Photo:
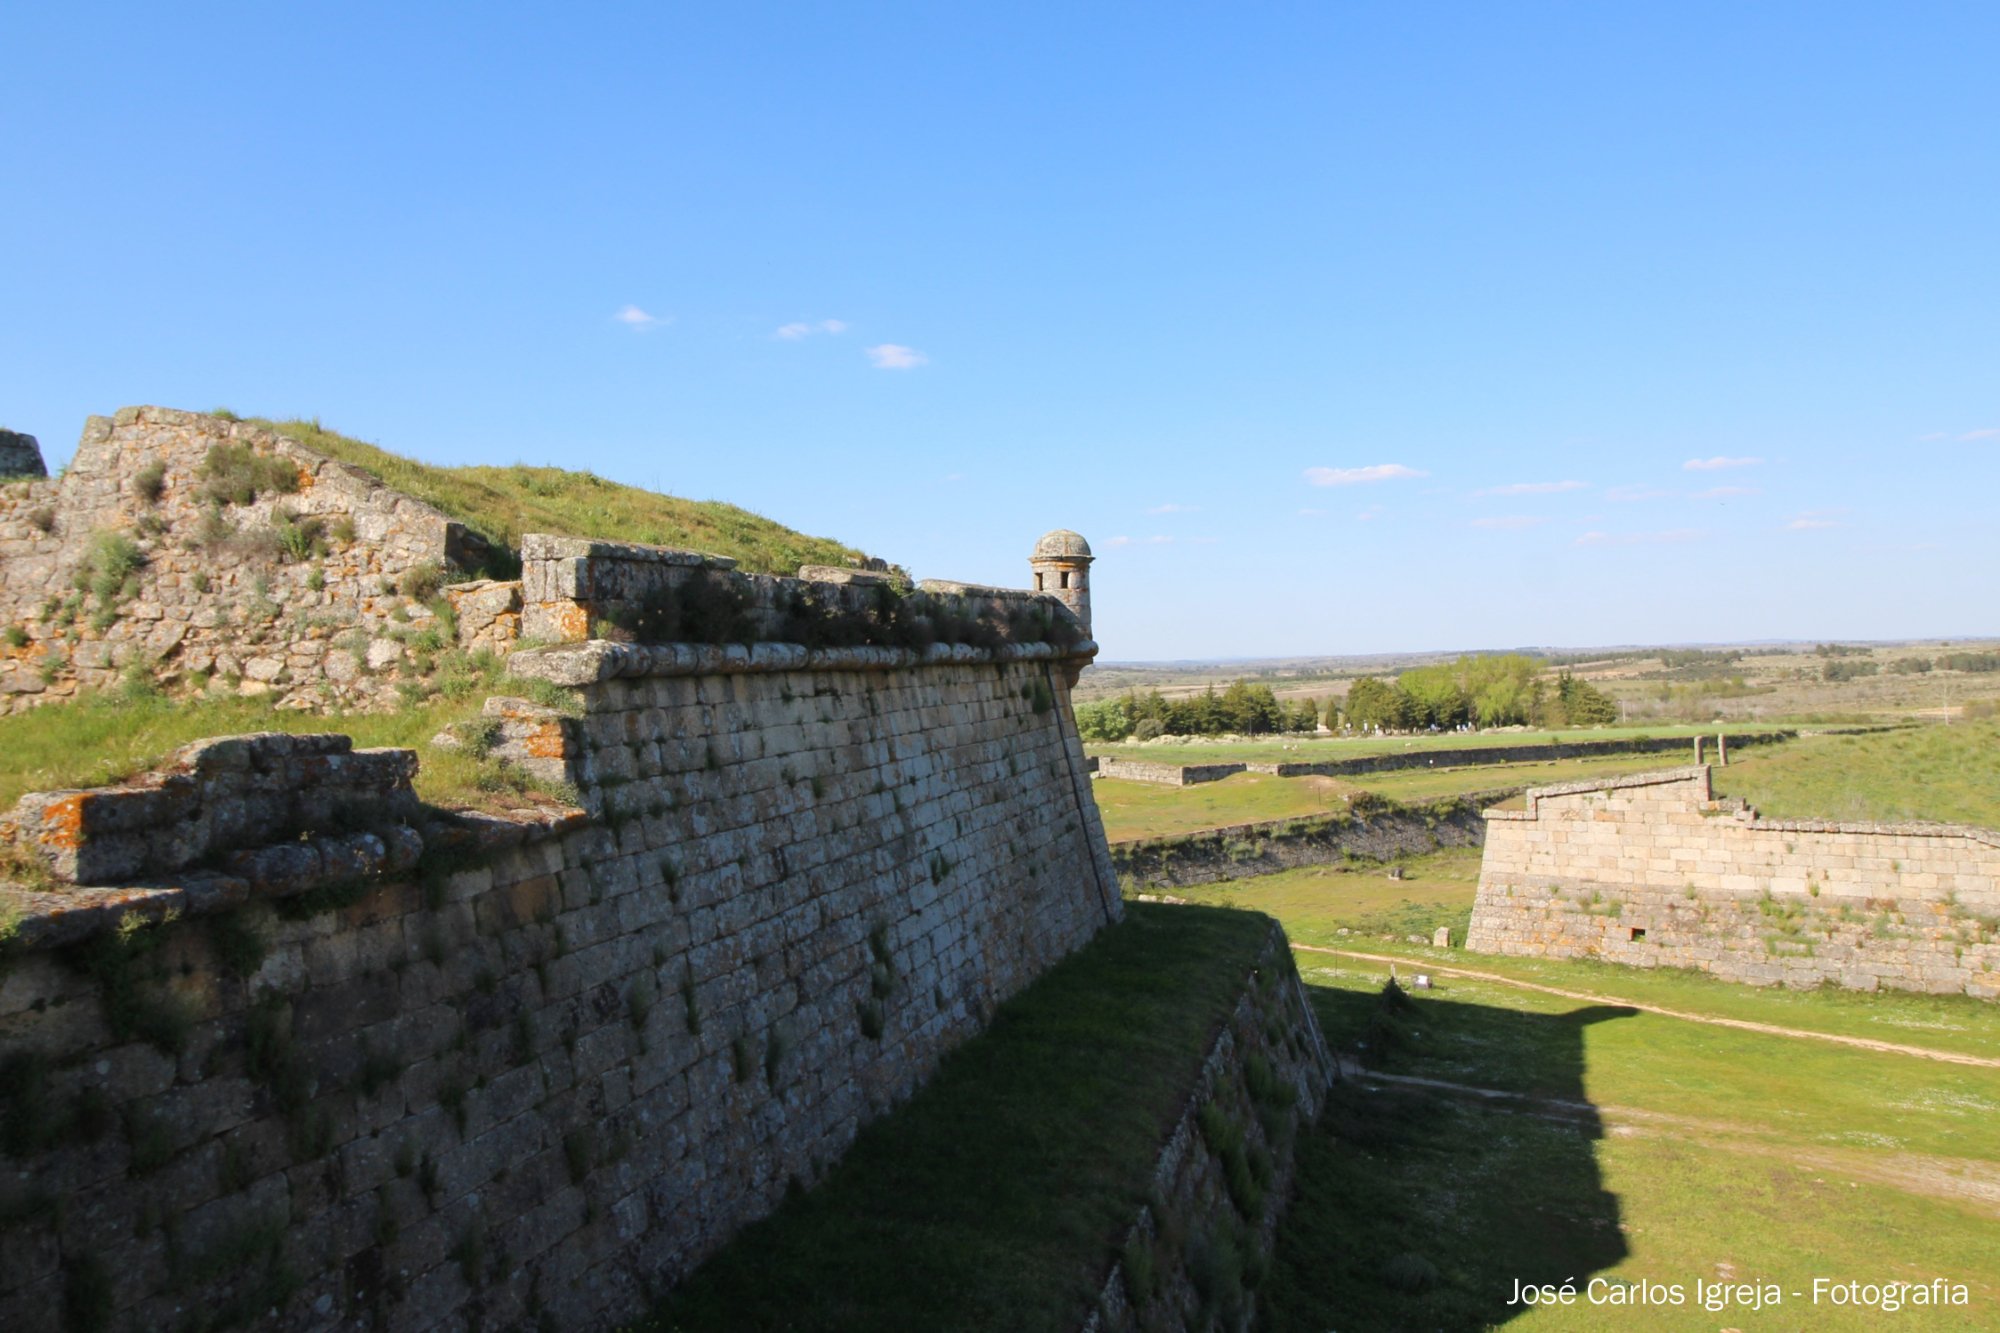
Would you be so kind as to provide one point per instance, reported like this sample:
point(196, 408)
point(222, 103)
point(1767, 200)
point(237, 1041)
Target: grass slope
point(105, 737)
point(503, 503)
point(1948, 773)
point(997, 1196)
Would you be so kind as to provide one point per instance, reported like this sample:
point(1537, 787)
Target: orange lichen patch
point(546, 741)
point(572, 621)
point(62, 822)
point(306, 479)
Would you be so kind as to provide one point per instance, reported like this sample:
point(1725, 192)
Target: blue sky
point(1336, 328)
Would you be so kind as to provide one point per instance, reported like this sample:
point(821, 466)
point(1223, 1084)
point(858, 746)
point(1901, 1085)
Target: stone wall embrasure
point(217, 593)
point(1266, 1076)
point(545, 1073)
point(1652, 871)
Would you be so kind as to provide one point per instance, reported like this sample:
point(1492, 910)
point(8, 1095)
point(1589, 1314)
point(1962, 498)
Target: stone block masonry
point(541, 1074)
point(298, 594)
point(1652, 871)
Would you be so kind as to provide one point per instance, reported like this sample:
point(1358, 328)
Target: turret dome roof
point(1061, 542)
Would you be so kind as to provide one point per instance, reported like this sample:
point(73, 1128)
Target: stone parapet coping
point(1743, 813)
point(546, 546)
point(69, 913)
point(601, 660)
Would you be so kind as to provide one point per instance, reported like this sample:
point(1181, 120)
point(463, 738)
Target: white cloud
point(1311, 513)
point(1140, 541)
point(1625, 493)
point(634, 318)
point(1354, 476)
point(1509, 522)
point(807, 328)
point(1726, 492)
point(1535, 488)
point(1812, 520)
point(1370, 514)
point(1174, 509)
point(1988, 433)
point(1717, 463)
point(893, 356)
point(1640, 538)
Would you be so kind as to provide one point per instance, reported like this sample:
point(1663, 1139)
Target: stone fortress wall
point(303, 593)
point(275, 1038)
point(1187, 775)
point(1651, 870)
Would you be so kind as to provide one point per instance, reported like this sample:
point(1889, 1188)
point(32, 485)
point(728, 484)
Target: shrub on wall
point(236, 474)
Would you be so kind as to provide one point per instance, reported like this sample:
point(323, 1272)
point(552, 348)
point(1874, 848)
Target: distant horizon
point(1536, 650)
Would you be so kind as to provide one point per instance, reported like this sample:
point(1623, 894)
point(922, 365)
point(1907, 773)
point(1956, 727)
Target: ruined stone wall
point(1651, 871)
point(1164, 775)
point(217, 591)
point(1264, 1081)
point(21, 455)
point(1236, 851)
point(548, 1070)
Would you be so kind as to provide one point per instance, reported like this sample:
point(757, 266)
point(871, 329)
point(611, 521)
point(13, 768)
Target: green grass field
point(1328, 749)
point(1697, 1150)
point(1947, 773)
point(503, 503)
point(1643, 1149)
point(1143, 810)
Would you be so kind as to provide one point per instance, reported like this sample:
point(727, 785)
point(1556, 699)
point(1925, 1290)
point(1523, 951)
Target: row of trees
point(1498, 690)
point(1495, 690)
point(1243, 708)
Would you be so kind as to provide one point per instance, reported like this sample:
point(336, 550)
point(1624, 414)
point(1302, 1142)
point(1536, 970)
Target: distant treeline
point(1912, 666)
point(1494, 690)
point(1244, 709)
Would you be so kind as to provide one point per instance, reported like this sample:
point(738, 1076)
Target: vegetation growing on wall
point(717, 610)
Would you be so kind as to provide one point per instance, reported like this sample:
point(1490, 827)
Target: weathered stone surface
point(215, 799)
point(1652, 871)
point(21, 455)
point(578, 1052)
point(205, 595)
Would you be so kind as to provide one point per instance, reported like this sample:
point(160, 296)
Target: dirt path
point(1964, 1180)
point(1772, 1029)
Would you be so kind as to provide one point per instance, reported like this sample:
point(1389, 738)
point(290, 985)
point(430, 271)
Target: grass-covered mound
point(998, 1196)
point(1945, 773)
point(502, 503)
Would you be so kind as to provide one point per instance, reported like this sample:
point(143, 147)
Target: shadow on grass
point(1421, 1207)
